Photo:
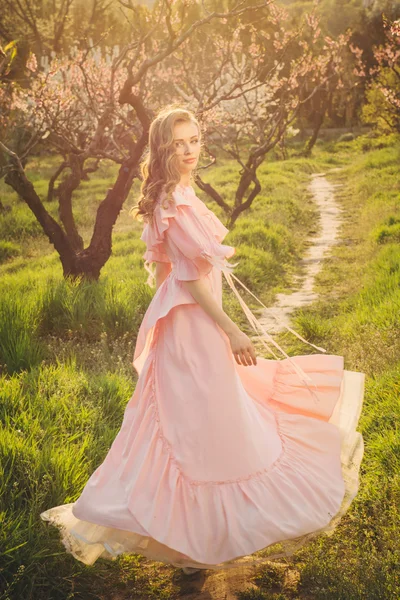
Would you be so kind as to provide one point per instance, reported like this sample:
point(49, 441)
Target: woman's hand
point(242, 348)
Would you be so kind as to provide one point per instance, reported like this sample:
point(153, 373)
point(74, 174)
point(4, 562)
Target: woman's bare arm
point(201, 293)
point(241, 344)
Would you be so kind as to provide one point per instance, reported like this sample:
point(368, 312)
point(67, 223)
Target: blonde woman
point(221, 452)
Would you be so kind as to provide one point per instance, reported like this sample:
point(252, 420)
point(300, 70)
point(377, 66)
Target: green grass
point(66, 373)
point(358, 316)
point(8, 250)
point(270, 238)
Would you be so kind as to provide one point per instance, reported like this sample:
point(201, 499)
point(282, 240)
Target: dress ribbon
point(227, 269)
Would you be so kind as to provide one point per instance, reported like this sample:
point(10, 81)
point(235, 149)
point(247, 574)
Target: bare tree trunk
point(91, 260)
point(317, 126)
point(88, 262)
point(53, 179)
point(17, 179)
point(65, 191)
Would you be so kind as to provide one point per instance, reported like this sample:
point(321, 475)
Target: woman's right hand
point(242, 348)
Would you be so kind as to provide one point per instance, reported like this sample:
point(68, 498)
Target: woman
point(221, 452)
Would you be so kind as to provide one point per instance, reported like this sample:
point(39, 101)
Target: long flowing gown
point(214, 460)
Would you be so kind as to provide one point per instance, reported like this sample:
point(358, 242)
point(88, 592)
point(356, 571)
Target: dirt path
point(216, 585)
point(225, 584)
point(323, 192)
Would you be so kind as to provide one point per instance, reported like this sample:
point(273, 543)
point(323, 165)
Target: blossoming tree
point(383, 92)
point(251, 95)
point(92, 107)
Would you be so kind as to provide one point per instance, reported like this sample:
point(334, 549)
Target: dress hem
point(101, 540)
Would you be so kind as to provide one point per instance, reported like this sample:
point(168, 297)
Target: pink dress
point(215, 461)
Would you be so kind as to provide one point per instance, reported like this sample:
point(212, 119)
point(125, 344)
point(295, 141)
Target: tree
point(90, 108)
point(383, 93)
point(46, 26)
point(251, 95)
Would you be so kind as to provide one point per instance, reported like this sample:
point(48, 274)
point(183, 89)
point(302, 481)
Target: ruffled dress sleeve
point(155, 250)
point(179, 234)
point(194, 246)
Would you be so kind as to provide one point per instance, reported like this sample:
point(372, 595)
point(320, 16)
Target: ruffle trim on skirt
point(217, 525)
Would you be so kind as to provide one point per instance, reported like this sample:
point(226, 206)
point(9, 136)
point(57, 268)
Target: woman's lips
point(189, 160)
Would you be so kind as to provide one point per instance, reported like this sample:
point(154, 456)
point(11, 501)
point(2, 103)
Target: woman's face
point(187, 146)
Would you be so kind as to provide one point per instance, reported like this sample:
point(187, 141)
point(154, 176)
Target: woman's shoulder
point(178, 197)
point(164, 210)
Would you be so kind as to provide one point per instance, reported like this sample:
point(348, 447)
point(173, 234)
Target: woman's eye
point(180, 143)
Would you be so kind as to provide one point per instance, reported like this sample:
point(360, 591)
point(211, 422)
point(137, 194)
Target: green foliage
point(273, 238)
point(56, 425)
point(87, 309)
point(56, 309)
point(19, 346)
point(8, 250)
point(388, 232)
point(378, 110)
point(263, 251)
point(19, 223)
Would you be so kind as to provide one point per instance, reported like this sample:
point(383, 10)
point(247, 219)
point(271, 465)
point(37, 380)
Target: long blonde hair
point(159, 169)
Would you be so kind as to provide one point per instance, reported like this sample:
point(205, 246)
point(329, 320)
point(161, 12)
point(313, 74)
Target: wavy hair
point(159, 168)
